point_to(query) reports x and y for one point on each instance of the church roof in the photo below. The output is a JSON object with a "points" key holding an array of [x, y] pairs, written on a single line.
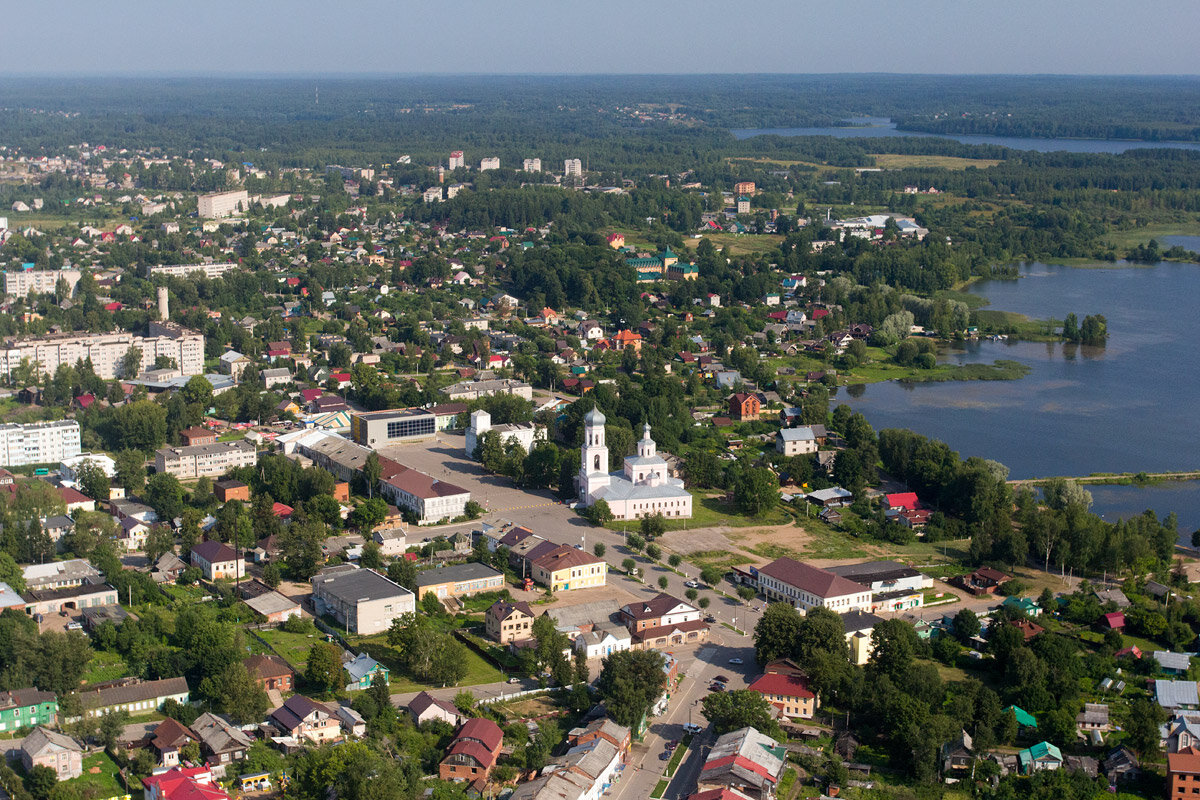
{"points": [[594, 417]]}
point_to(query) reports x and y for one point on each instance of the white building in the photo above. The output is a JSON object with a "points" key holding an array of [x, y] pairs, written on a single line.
{"points": [[573, 167], [643, 489], [39, 281], [531, 165], [523, 433], [106, 350], [456, 159], [424, 496], [796, 441], [201, 460], [209, 271], [38, 443], [806, 586], [432, 195], [68, 470], [489, 163], [222, 204]]}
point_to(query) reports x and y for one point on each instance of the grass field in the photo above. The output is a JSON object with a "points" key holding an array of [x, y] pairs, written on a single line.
{"points": [[902, 160], [479, 671], [1126, 239], [292, 647], [739, 244], [105, 666], [709, 512], [104, 783]]}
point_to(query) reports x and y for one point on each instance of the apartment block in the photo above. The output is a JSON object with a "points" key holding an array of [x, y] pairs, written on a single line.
{"points": [[572, 167], [222, 204], [106, 350], [39, 281], [38, 443], [209, 271], [205, 460]]}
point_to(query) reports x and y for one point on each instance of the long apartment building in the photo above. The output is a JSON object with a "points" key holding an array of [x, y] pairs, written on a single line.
{"points": [[39, 281], [106, 350], [184, 270], [222, 204], [205, 460], [39, 443]]}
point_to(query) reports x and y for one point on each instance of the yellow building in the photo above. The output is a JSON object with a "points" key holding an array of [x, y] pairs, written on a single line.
{"points": [[565, 568], [859, 626], [789, 692]]}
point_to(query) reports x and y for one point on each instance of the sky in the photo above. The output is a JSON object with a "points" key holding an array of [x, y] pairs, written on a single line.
{"points": [[221, 37]]}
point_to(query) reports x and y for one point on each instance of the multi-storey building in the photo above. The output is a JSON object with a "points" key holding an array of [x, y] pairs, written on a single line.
{"points": [[492, 162], [205, 460], [39, 281], [38, 442], [222, 204], [382, 428], [429, 499], [572, 167], [457, 161], [531, 165], [26, 708], [184, 270], [360, 599], [106, 350], [507, 621], [806, 586]]}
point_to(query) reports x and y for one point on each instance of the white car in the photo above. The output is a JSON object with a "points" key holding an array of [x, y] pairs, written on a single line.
{"points": [[735, 661], [692, 584], [692, 728]]}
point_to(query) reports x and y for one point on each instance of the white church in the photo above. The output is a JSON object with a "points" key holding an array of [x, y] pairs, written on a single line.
{"points": [[523, 433], [642, 490]]}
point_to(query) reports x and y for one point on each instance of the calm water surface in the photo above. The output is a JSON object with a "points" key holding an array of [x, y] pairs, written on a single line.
{"points": [[874, 128], [1126, 407]]}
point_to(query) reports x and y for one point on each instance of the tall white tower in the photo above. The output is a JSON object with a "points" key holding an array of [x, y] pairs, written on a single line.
{"points": [[164, 309], [593, 467]]}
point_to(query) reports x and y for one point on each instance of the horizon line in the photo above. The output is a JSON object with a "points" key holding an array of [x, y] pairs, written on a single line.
{"points": [[378, 75]]}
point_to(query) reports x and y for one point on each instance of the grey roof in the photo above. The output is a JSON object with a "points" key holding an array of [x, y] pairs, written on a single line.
{"points": [[360, 667], [270, 603], [1172, 694], [455, 573], [590, 758], [1093, 714], [1173, 661], [105, 696], [855, 621], [75, 569], [801, 434], [219, 735], [593, 613], [357, 585], [41, 739], [1113, 595]]}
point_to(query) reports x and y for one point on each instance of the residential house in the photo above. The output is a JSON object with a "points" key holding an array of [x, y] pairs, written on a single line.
{"points": [[795, 441], [217, 560], [196, 436], [806, 586], [1094, 717], [745, 760], [362, 670], [1173, 695], [26, 708], [1113, 621], [1042, 756], [459, 580], [1024, 605], [362, 600], [425, 707], [1024, 718], [167, 568], [744, 406], [604, 639], [1183, 773], [274, 606], [57, 751], [789, 693], [221, 741], [230, 489], [984, 580], [305, 719], [131, 694], [859, 625], [1172, 663], [1121, 765], [271, 672], [168, 738], [957, 756], [183, 783], [473, 751], [565, 568], [507, 621]]}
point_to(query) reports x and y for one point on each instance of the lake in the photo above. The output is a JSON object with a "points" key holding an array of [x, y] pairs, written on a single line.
{"points": [[1127, 407], [875, 127]]}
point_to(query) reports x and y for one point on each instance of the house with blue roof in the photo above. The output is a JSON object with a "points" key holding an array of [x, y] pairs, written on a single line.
{"points": [[1042, 756], [362, 670]]}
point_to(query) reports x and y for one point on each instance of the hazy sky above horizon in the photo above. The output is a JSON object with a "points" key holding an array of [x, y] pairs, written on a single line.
{"points": [[619, 36]]}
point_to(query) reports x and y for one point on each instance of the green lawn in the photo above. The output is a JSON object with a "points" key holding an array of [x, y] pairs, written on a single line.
{"points": [[479, 670], [291, 647], [102, 784], [105, 666], [709, 512]]}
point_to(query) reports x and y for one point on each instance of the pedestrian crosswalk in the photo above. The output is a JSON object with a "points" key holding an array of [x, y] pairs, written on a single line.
{"points": [[520, 508]]}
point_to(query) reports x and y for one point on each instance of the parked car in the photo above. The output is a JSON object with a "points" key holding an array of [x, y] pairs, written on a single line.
{"points": [[665, 755], [692, 584], [710, 619], [74, 626], [716, 687], [735, 661], [721, 678], [692, 728]]}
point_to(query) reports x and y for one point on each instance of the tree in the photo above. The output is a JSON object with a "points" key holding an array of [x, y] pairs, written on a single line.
{"points": [[776, 632], [131, 362], [1141, 729], [92, 480], [159, 540], [368, 514], [164, 493], [40, 781], [324, 672], [629, 684], [712, 575], [756, 491], [653, 526], [141, 425], [112, 725], [628, 565], [653, 552], [371, 473], [11, 572], [131, 469], [635, 542], [966, 625], [663, 582], [371, 558], [403, 572], [675, 559], [894, 643], [599, 549], [730, 711], [821, 632], [598, 513], [235, 692], [271, 576]]}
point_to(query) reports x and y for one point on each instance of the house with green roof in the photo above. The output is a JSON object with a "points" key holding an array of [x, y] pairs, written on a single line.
{"points": [[1042, 756], [1024, 605], [1024, 718]]}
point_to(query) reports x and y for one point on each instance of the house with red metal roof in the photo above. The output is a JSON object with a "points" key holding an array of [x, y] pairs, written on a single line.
{"points": [[902, 501], [180, 783], [473, 752], [789, 693], [746, 761]]}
